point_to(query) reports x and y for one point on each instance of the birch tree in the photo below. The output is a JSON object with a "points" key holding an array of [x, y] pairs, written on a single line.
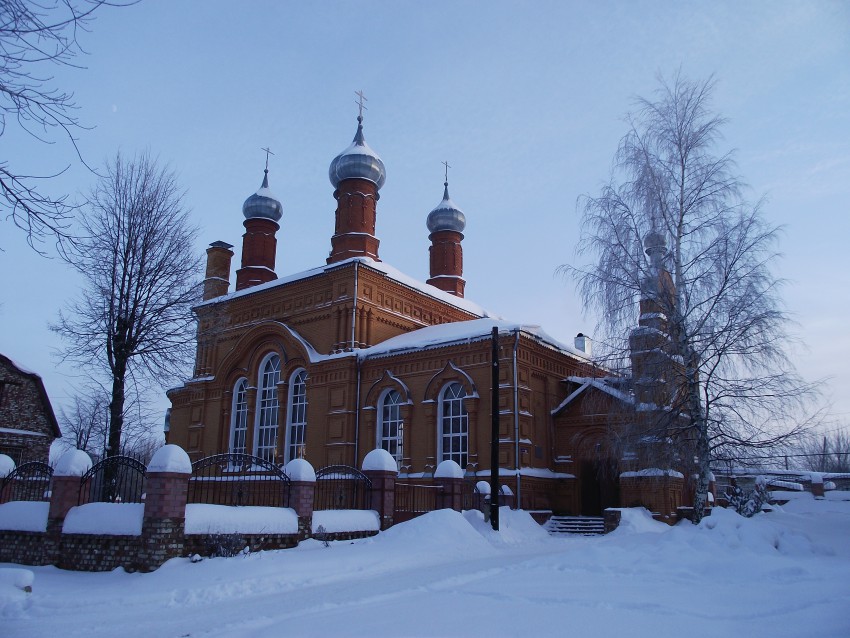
{"points": [[136, 256], [674, 212]]}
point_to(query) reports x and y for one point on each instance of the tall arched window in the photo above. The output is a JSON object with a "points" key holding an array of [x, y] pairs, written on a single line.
{"points": [[265, 435], [296, 418], [391, 425], [454, 425], [239, 417]]}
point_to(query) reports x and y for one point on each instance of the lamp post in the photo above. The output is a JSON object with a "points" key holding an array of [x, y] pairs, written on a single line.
{"points": [[494, 433]]}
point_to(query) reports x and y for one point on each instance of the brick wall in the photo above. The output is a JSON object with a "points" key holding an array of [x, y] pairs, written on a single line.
{"points": [[24, 407]]}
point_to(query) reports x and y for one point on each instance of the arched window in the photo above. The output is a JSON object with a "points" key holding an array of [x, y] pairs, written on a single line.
{"points": [[265, 435], [239, 417], [453, 425], [391, 425], [296, 418]]}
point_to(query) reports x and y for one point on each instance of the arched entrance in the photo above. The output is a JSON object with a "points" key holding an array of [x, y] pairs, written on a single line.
{"points": [[600, 487]]}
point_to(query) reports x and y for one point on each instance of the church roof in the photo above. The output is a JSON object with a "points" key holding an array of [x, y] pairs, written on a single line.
{"points": [[378, 266]]}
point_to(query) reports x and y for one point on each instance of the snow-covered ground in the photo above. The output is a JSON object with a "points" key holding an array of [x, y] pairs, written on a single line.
{"points": [[786, 573]]}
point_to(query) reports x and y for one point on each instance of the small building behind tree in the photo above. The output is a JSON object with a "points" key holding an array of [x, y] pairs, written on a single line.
{"points": [[28, 425]]}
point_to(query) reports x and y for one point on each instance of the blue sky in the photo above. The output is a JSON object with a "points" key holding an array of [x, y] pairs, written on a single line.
{"points": [[524, 99]]}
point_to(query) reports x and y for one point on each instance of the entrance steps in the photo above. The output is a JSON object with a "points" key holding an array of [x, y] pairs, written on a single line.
{"points": [[583, 525]]}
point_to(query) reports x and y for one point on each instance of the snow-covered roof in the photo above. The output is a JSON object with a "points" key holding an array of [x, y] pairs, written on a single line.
{"points": [[600, 383], [368, 262], [462, 332]]}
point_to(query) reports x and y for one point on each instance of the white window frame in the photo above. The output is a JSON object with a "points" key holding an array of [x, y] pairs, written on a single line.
{"points": [[239, 418], [296, 416], [390, 429], [452, 409], [266, 421]]}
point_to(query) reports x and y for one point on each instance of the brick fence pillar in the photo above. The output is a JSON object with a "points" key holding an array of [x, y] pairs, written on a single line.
{"points": [[382, 470], [164, 522], [302, 493], [449, 476], [64, 494]]}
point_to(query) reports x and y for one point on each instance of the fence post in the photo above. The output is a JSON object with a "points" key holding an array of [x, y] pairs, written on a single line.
{"points": [[302, 480], [449, 476], [164, 522], [64, 495], [7, 466], [382, 469]]}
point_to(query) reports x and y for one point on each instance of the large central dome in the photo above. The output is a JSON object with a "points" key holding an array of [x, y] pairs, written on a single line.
{"points": [[358, 161]]}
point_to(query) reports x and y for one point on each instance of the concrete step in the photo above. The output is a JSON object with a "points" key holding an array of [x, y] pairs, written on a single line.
{"points": [[583, 525]]}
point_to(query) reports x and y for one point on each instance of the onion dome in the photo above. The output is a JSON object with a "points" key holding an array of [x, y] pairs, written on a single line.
{"points": [[358, 161], [446, 216], [263, 204]]}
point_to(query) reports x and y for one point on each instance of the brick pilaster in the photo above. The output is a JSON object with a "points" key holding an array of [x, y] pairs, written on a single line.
{"points": [[163, 526], [383, 495], [301, 500]]}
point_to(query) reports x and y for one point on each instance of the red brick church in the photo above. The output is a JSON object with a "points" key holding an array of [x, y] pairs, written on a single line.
{"points": [[353, 355]]}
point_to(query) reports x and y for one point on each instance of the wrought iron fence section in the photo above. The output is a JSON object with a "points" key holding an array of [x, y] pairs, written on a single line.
{"points": [[342, 487], [472, 498], [115, 479], [238, 479], [412, 500], [27, 482]]}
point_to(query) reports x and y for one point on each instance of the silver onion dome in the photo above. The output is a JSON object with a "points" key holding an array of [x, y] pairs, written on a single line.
{"points": [[446, 216], [358, 161], [263, 204]]}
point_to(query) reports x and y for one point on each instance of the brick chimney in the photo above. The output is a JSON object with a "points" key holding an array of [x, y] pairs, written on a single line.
{"points": [[217, 278]]}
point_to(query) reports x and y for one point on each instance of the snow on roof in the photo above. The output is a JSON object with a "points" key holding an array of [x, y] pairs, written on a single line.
{"points": [[460, 332], [600, 383], [381, 267]]}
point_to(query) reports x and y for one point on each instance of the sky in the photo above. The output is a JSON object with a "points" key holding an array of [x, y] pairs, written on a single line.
{"points": [[525, 100]]}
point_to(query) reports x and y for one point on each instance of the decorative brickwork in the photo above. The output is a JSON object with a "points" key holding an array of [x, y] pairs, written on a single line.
{"points": [[24, 548], [258, 253]]}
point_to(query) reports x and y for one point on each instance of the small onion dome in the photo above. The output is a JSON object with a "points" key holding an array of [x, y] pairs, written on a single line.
{"points": [[654, 240], [358, 161], [446, 216], [263, 204]]}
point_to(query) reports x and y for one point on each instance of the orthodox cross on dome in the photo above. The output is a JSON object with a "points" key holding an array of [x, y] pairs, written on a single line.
{"points": [[446, 164], [268, 152], [359, 102]]}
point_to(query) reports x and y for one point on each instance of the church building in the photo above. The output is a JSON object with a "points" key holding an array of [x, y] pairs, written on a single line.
{"points": [[353, 355]]}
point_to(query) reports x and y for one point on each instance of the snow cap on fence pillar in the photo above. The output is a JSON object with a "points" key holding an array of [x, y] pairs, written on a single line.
{"points": [[380, 460], [7, 465], [300, 470], [73, 463], [448, 469], [170, 458], [483, 487]]}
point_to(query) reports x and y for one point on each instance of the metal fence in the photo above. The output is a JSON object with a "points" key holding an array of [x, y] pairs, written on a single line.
{"points": [[115, 479], [412, 500], [27, 482], [238, 479], [342, 487]]}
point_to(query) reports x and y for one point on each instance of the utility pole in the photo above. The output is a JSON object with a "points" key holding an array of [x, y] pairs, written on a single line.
{"points": [[494, 433]]}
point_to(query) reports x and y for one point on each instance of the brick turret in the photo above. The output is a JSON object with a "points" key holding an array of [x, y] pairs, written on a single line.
{"points": [[217, 279], [357, 174], [446, 223], [262, 212]]}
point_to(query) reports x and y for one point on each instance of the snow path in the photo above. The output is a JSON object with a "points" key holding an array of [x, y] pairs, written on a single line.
{"points": [[782, 574]]}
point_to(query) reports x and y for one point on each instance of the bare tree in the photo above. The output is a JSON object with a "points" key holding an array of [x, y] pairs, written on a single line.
{"points": [[85, 423], [34, 37], [134, 318], [672, 234], [826, 452]]}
